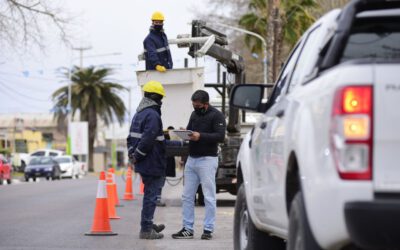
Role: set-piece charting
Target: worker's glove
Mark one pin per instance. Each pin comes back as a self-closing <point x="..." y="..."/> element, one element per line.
<point x="132" y="159"/>
<point x="160" y="68"/>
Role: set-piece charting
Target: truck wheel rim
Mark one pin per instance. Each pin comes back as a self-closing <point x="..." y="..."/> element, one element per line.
<point x="244" y="227"/>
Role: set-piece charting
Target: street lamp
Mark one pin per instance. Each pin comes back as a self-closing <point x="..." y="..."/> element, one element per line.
<point x="264" y="43"/>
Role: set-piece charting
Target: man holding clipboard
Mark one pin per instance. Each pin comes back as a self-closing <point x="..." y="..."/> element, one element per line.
<point x="206" y="128"/>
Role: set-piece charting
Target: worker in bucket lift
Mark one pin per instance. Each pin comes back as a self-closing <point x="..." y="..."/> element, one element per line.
<point x="156" y="48"/>
<point x="147" y="151"/>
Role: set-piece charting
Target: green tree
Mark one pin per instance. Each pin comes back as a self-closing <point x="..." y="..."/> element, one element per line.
<point x="280" y="22"/>
<point x="95" y="96"/>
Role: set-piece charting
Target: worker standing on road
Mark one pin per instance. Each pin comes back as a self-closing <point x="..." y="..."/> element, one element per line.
<point x="208" y="126"/>
<point x="170" y="170"/>
<point x="156" y="48"/>
<point x="147" y="150"/>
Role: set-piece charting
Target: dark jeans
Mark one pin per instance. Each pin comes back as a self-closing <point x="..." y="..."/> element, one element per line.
<point x="160" y="190"/>
<point x="152" y="185"/>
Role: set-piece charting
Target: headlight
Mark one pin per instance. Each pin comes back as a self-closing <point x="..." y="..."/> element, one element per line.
<point x="27" y="170"/>
<point x="49" y="169"/>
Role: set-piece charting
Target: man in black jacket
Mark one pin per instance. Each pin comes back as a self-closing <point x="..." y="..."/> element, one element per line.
<point x="208" y="126"/>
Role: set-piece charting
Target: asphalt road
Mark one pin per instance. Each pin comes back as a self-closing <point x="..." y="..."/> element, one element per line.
<point x="56" y="214"/>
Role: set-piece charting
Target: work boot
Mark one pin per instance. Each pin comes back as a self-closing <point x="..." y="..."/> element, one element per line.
<point x="158" y="228"/>
<point x="159" y="203"/>
<point x="152" y="235"/>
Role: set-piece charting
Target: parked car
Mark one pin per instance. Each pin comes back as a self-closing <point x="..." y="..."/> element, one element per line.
<point x="43" y="167"/>
<point x="20" y="160"/>
<point x="69" y="166"/>
<point x="320" y="169"/>
<point x="5" y="170"/>
<point x="47" y="152"/>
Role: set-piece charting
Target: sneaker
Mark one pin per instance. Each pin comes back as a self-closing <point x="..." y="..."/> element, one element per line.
<point x="160" y="204"/>
<point x="183" y="234"/>
<point x="152" y="235"/>
<point x="158" y="228"/>
<point x="207" y="235"/>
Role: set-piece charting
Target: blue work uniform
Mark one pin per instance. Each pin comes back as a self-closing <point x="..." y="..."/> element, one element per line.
<point x="156" y="50"/>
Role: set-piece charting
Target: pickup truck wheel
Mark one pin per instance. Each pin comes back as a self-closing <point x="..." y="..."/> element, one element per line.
<point x="246" y="235"/>
<point x="300" y="235"/>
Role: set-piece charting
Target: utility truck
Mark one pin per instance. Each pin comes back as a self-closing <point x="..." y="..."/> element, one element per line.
<point x="181" y="83"/>
<point x="320" y="169"/>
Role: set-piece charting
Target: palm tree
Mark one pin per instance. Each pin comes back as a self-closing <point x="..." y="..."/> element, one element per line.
<point x="280" y="22"/>
<point x="93" y="95"/>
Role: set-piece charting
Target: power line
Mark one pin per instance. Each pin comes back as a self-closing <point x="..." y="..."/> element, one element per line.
<point x="30" y="77"/>
<point x="20" y="94"/>
<point x="34" y="87"/>
<point x="22" y="101"/>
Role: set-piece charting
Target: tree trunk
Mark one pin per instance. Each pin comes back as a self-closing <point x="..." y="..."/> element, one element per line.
<point x="270" y="40"/>
<point x="92" y="135"/>
<point x="280" y="38"/>
<point x="273" y="30"/>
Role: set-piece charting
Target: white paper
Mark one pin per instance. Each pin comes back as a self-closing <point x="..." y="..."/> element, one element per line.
<point x="183" y="134"/>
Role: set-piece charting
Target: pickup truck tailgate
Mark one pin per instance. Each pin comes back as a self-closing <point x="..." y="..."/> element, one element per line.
<point x="386" y="148"/>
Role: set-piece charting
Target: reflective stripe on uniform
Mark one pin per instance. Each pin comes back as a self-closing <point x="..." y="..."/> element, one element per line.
<point x="160" y="49"/>
<point x="140" y="152"/>
<point x="138" y="135"/>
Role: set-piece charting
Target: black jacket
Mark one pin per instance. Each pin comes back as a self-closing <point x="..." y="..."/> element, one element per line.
<point x="211" y="125"/>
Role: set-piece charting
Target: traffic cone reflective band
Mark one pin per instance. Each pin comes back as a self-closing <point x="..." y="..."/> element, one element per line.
<point x="128" y="186"/>
<point x="101" y="223"/>
<point x="116" y="199"/>
<point x="141" y="188"/>
<point x="112" y="214"/>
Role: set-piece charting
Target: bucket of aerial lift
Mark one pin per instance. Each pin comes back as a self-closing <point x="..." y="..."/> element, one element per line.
<point x="179" y="85"/>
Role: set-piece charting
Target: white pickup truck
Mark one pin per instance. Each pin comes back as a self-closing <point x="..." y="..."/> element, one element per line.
<point x="321" y="168"/>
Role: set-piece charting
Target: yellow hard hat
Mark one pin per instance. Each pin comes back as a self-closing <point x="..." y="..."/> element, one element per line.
<point x="154" y="87"/>
<point x="157" y="16"/>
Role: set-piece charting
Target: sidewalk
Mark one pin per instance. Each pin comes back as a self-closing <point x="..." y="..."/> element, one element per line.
<point x="172" y="218"/>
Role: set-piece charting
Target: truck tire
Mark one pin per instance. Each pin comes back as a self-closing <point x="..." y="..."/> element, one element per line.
<point x="9" y="181"/>
<point x="300" y="235"/>
<point x="246" y="236"/>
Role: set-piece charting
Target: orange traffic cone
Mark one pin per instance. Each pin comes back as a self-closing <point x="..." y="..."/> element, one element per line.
<point x="141" y="187"/>
<point x="101" y="224"/>
<point x="128" y="187"/>
<point x="116" y="199"/>
<point x="112" y="214"/>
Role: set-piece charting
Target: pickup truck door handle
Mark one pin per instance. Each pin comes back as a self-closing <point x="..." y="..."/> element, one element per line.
<point x="280" y="113"/>
<point x="263" y="125"/>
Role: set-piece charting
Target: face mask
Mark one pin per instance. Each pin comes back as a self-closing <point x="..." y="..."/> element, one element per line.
<point x="200" y="111"/>
<point x="158" y="27"/>
<point x="159" y="102"/>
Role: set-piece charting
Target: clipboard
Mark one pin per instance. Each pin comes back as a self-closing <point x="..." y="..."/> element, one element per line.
<point x="183" y="134"/>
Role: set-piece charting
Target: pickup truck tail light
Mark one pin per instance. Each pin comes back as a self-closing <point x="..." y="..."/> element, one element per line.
<point x="351" y="132"/>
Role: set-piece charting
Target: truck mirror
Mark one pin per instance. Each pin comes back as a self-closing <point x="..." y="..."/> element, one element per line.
<point x="247" y="96"/>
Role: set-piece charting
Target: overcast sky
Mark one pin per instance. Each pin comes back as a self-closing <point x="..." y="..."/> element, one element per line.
<point x="108" y="27"/>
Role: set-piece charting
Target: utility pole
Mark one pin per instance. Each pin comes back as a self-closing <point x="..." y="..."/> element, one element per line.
<point x="81" y="50"/>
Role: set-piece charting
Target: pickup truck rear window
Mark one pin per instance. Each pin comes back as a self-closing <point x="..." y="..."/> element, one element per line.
<point x="374" y="38"/>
